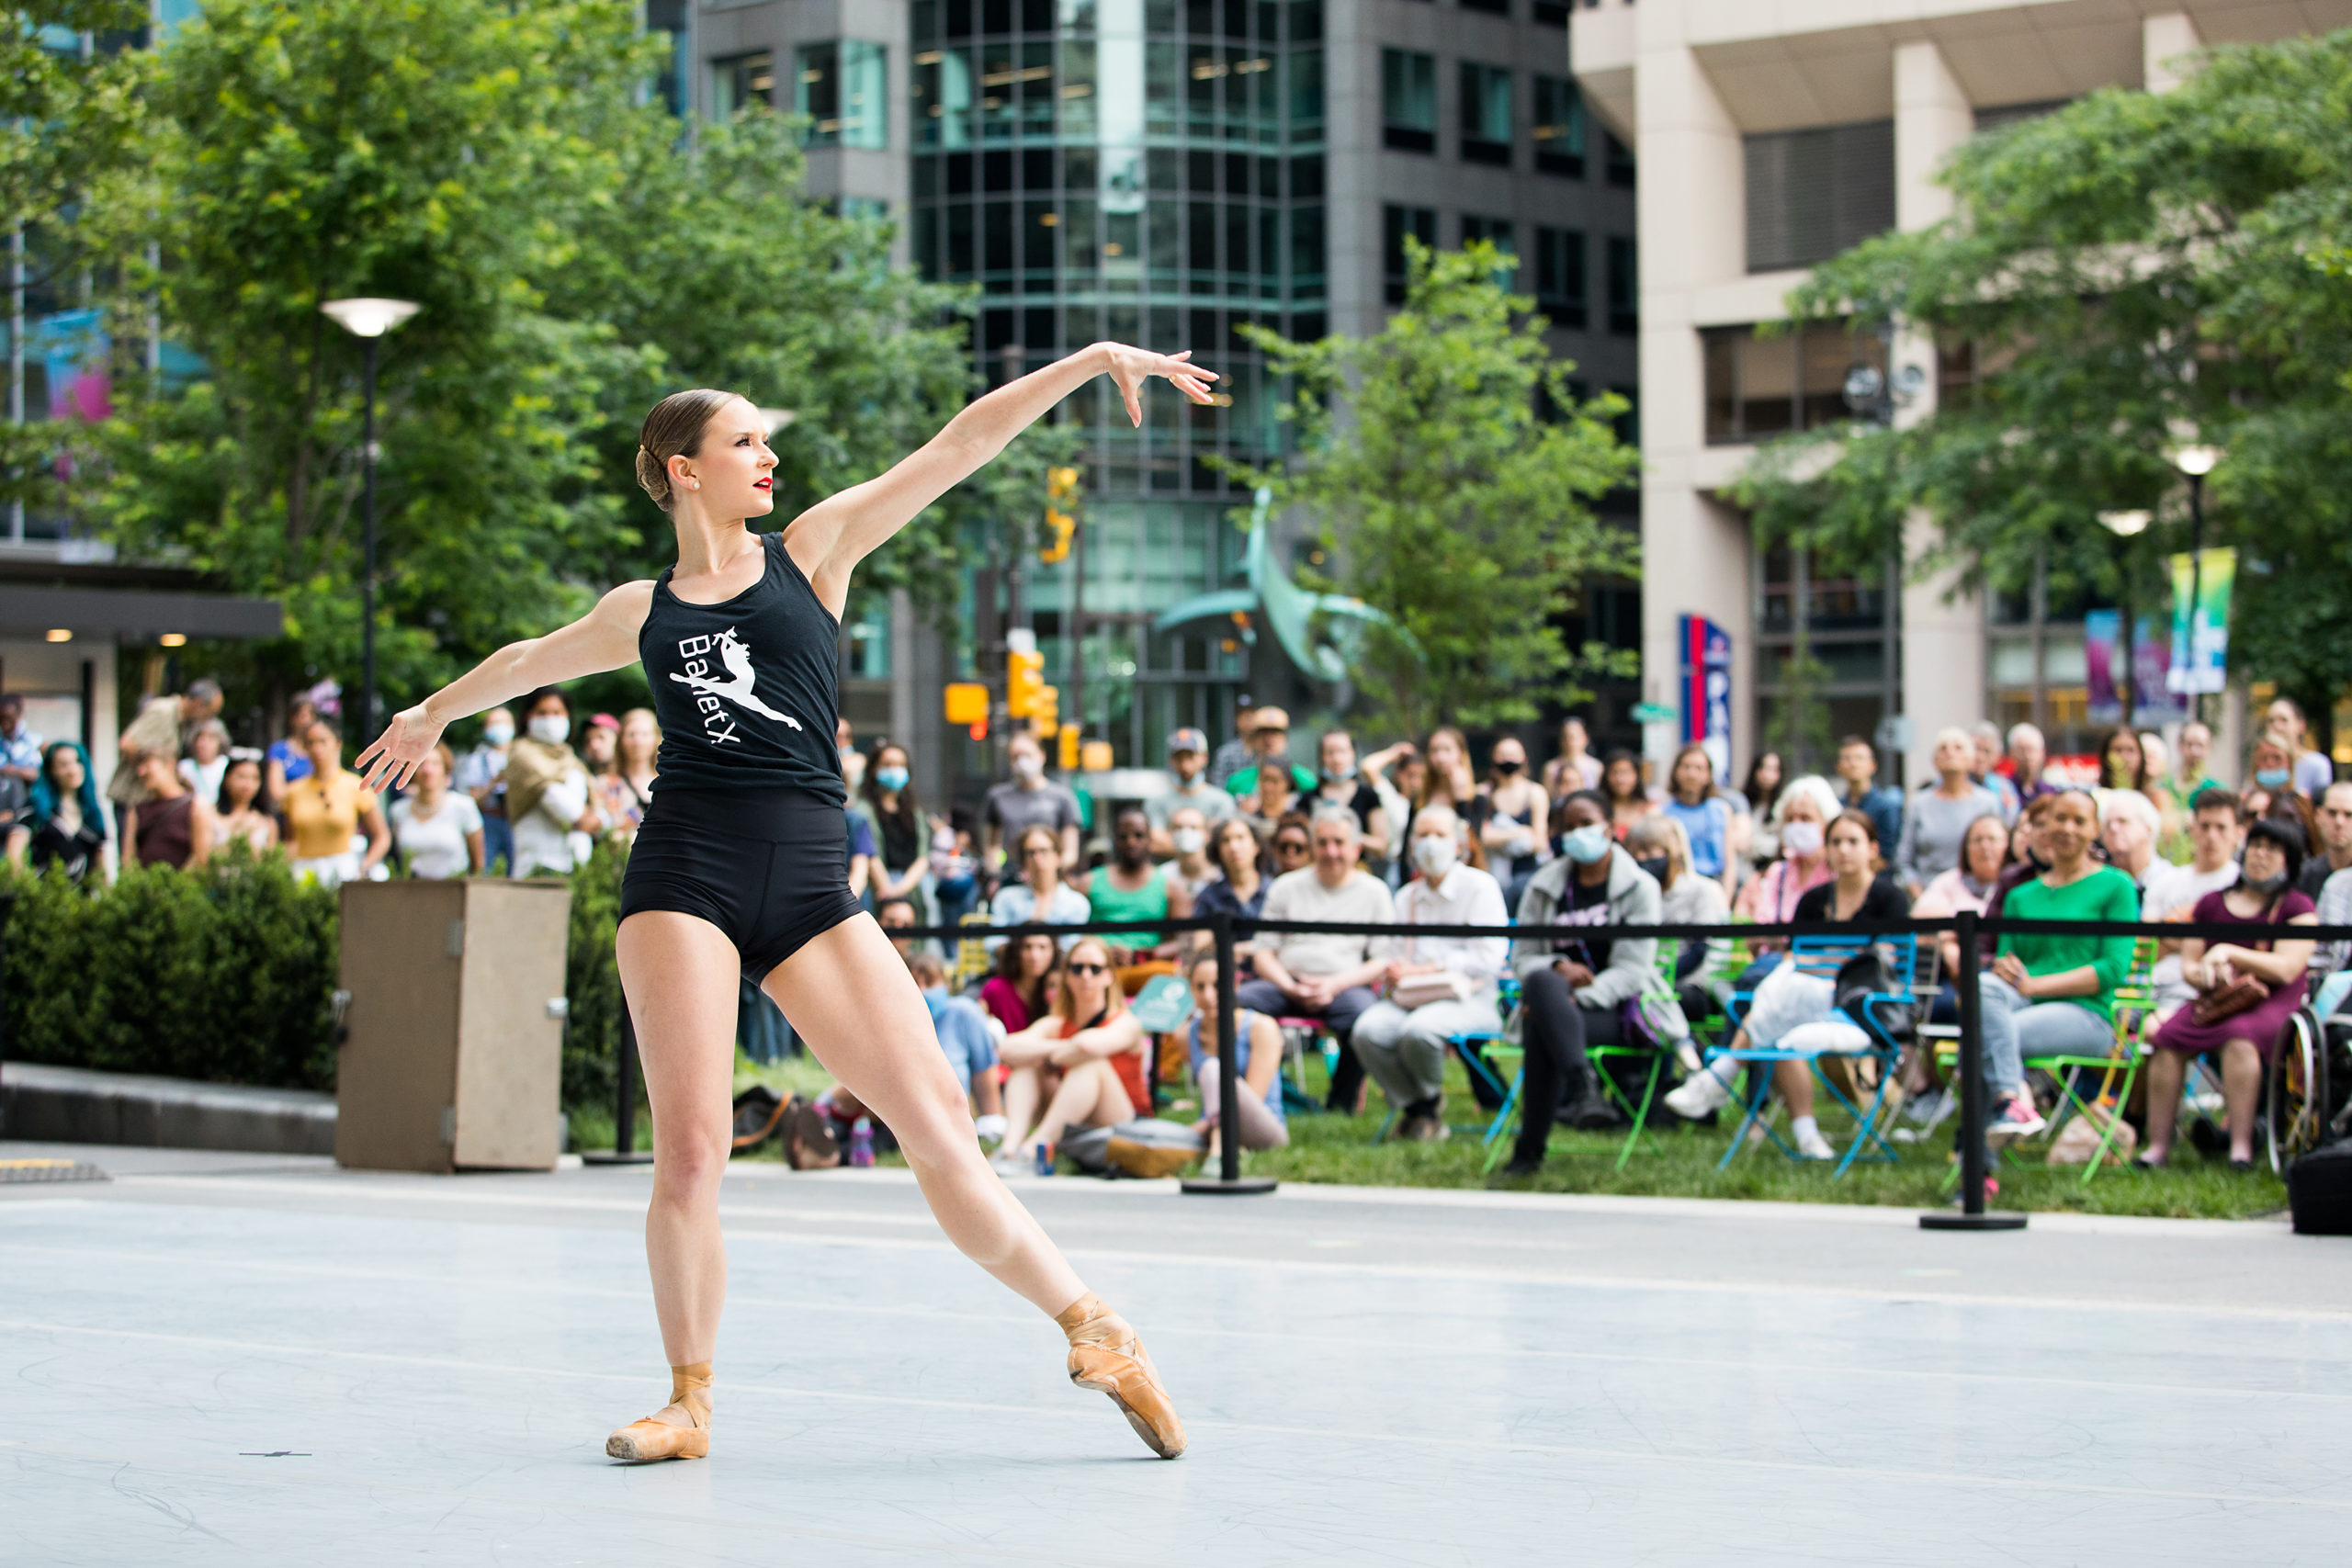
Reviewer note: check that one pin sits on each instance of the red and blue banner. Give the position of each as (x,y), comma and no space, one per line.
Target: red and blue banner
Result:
(1706,682)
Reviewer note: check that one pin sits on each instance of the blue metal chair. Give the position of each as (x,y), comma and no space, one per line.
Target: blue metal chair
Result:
(1823,956)
(1473,1049)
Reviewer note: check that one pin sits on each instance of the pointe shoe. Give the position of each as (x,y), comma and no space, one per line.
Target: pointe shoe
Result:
(1105,1356)
(641,1443)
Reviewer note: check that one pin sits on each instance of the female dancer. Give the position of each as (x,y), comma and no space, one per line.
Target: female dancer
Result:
(740,863)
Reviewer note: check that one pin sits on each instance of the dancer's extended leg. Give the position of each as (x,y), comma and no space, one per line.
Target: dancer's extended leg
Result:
(850,997)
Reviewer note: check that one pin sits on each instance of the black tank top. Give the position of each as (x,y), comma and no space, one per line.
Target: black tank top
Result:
(746,690)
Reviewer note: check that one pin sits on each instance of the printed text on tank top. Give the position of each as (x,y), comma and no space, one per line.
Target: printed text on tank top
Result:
(718,724)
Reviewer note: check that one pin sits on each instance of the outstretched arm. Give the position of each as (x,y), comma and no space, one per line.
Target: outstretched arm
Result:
(604,639)
(830,538)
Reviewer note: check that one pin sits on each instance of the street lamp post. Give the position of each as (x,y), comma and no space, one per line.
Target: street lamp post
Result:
(368,319)
(2125,525)
(2196,461)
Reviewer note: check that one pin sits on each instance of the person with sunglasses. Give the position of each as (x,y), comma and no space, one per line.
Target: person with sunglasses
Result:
(1084,1062)
(1041,895)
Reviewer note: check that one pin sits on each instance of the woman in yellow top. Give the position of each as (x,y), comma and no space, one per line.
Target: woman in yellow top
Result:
(325,807)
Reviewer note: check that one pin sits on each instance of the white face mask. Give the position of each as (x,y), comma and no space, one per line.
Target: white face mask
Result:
(1188,841)
(1434,856)
(1027,766)
(1801,839)
(550,728)
(497,734)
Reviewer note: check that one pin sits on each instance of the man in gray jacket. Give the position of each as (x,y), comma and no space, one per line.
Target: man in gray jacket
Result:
(1572,983)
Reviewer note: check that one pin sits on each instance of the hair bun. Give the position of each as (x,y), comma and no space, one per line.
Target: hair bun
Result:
(654,476)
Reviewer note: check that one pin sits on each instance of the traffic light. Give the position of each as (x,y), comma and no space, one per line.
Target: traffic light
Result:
(1024,678)
(1070,749)
(1045,711)
(1061,497)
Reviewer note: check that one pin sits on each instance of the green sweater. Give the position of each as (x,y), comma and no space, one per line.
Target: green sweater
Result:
(2105,894)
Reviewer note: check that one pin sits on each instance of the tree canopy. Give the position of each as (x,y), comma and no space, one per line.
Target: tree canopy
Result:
(2130,272)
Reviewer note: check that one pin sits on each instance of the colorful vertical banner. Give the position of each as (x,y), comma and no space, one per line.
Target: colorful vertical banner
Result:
(2200,632)
(1705,684)
(2145,664)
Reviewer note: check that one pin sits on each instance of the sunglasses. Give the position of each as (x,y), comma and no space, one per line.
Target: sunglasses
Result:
(1089,968)
(1289,847)
(1033,851)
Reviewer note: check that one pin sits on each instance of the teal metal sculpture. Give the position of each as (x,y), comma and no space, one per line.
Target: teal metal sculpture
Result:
(1295,614)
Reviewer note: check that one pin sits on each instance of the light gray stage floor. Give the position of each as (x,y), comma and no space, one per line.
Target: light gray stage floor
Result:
(237,1360)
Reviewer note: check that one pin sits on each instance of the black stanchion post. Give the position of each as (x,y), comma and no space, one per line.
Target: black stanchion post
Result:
(625,1150)
(1973,1215)
(1228,1078)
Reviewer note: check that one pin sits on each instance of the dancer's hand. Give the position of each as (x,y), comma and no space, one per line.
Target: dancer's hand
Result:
(405,743)
(1131,368)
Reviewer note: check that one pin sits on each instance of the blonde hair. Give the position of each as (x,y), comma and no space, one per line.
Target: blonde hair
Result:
(648,717)
(1065,1008)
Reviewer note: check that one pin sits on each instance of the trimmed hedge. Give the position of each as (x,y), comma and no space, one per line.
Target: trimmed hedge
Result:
(227,972)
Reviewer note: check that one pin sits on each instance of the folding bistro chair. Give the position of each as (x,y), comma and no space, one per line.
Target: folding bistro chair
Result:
(2116,1069)
(1865,1038)
(1477,1051)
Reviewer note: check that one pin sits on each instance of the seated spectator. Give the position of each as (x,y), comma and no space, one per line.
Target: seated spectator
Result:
(2173,892)
(1240,890)
(1572,986)
(1446,776)
(63,826)
(1325,976)
(1629,800)
(2333,850)
(1041,895)
(547,799)
(2132,825)
(1661,848)
(2312,771)
(2331,977)
(1516,834)
(965,1038)
(1705,814)
(1192,870)
(208,759)
(1341,786)
(1766,779)
(1188,757)
(1029,799)
(288,759)
(1787,998)
(1086,1062)
(2029,755)
(168,826)
(1858,769)
(2265,895)
(894,915)
(1257,1045)
(902,833)
(1019,990)
(1575,767)
(1934,820)
(2270,773)
(2049,994)
(1800,824)
(1397,775)
(1275,798)
(1131,888)
(1971,886)
(326,808)
(1402,1042)
(244,810)
(437,828)
(1290,843)
(1984,736)
(954,870)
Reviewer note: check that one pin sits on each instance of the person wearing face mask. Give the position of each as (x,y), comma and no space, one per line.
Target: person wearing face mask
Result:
(1188,756)
(2310,771)
(2265,894)
(1518,821)
(1573,984)
(1660,847)
(2270,769)
(1799,824)
(1343,788)
(481,774)
(1028,800)
(1439,986)
(1191,870)
(547,789)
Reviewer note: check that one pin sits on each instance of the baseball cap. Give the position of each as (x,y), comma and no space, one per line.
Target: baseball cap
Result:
(1186,740)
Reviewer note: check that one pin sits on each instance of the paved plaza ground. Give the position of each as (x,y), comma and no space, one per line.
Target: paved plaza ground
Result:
(244,1359)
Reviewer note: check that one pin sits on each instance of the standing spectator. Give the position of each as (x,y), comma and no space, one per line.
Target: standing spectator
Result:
(2046,994)
(2189,776)
(1087,1061)
(326,808)
(1984,740)
(1344,788)
(1397,775)
(859,850)
(1939,818)
(1703,812)
(438,828)
(199,706)
(954,870)
(1029,800)
(1326,977)
(168,825)
(2312,771)
(624,794)
(1234,755)
(1240,890)
(1020,990)
(1573,985)
(600,754)
(1188,757)
(1041,894)
(2122,763)
(19,747)
(288,759)
(1192,870)
(1858,766)
(2265,894)
(2270,772)
(1132,888)
(1629,802)
(1257,1050)
(64,827)
(2029,755)
(208,759)
(481,774)
(1517,832)
(1801,828)
(1576,767)
(244,807)
(156,731)
(902,834)
(852,759)
(547,789)
(1403,1046)
(2130,835)
(2334,850)
(1269,749)
(1762,790)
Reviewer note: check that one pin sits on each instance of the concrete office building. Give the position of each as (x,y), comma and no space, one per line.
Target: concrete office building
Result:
(1166,172)
(1772,136)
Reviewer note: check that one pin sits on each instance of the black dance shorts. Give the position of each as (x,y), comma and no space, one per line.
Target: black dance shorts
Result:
(769,867)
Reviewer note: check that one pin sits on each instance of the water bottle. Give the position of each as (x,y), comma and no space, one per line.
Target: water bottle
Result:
(861,1142)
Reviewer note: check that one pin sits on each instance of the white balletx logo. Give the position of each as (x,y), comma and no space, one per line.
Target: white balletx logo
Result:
(718,724)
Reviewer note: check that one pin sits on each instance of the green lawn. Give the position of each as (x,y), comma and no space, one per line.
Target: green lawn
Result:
(1679,1163)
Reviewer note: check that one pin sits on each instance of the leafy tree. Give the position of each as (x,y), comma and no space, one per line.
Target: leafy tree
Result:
(1452,504)
(2129,271)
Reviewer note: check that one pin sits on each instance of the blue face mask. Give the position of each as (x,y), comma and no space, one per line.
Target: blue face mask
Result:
(1343,775)
(2271,778)
(892,779)
(1586,845)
